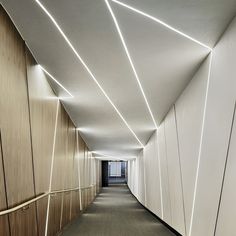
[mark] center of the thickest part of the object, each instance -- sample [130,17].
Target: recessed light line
[57,82]
[162,23]
[87,68]
[130,60]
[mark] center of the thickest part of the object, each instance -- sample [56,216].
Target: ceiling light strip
[100,156]
[162,23]
[56,81]
[88,70]
[130,60]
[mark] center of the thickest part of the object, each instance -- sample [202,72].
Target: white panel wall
[217,123]
[166,206]
[152,176]
[141,178]
[174,171]
[192,149]
[189,117]
[227,209]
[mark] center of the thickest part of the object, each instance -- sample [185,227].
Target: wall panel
[141,178]
[189,117]
[58,176]
[54,220]
[174,172]
[4,224]
[227,208]
[217,124]
[167,217]
[43,107]
[23,221]
[14,119]
[152,176]
[15,128]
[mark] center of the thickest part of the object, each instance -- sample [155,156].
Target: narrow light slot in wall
[130,60]
[200,148]
[162,23]
[71,96]
[51,168]
[88,70]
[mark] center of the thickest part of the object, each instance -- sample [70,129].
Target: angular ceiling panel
[204,20]
[164,60]
[100,125]
[91,30]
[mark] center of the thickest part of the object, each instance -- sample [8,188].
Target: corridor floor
[115,212]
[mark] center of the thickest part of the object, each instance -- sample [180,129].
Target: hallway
[116,212]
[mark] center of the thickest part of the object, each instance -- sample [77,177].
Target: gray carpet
[115,212]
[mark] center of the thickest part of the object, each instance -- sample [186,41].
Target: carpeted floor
[115,212]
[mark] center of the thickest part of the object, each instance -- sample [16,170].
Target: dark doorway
[104,173]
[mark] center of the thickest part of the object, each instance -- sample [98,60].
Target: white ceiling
[164,60]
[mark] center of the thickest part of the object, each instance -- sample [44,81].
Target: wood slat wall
[30,115]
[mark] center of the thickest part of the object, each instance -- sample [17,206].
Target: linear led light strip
[200,148]
[118,158]
[86,67]
[161,22]
[130,60]
[57,82]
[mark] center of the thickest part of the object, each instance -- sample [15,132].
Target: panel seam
[31,139]
[51,171]
[225,167]
[180,167]
[4,181]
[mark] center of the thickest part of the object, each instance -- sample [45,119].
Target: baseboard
[157,217]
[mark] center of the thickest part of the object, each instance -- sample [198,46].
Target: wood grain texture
[58,176]
[43,106]
[75,205]
[54,214]
[23,222]
[14,110]
[41,215]
[4,224]
[66,208]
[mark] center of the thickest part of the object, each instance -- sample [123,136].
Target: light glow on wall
[57,82]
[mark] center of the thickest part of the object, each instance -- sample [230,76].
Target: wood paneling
[15,128]
[66,208]
[4,225]
[75,206]
[23,222]
[54,214]
[41,215]
[14,119]
[58,176]
[43,107]
[27,122]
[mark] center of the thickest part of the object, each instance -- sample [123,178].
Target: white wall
[186,173]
